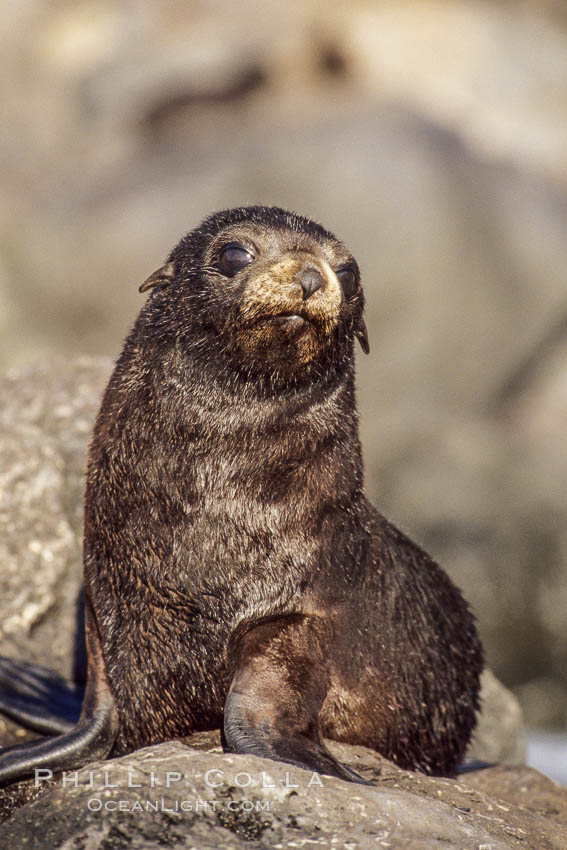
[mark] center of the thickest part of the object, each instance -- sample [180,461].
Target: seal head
[273,293]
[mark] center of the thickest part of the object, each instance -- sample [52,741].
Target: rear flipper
[91,739]
[280,682]
[94,733]
[38,698]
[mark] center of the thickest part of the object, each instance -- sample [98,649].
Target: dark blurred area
[432,138]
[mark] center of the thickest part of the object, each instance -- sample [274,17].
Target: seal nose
[310,281]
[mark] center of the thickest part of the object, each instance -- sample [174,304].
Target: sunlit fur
[225,497]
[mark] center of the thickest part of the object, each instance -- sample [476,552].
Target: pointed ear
[361,334]
[161,277]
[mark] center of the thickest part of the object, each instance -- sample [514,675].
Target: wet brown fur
[228,540]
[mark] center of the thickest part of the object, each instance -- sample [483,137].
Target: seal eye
[233,257]
[347,278]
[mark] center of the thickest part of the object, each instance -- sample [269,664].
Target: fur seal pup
[235,573]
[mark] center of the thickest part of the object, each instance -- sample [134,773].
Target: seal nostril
[310,281]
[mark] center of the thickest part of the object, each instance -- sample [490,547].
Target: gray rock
[500,733]
[46,416]
[224,801]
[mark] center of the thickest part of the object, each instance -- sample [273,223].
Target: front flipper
[37,698]
[281,677]
[92,737]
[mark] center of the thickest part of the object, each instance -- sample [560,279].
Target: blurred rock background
[432,138]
